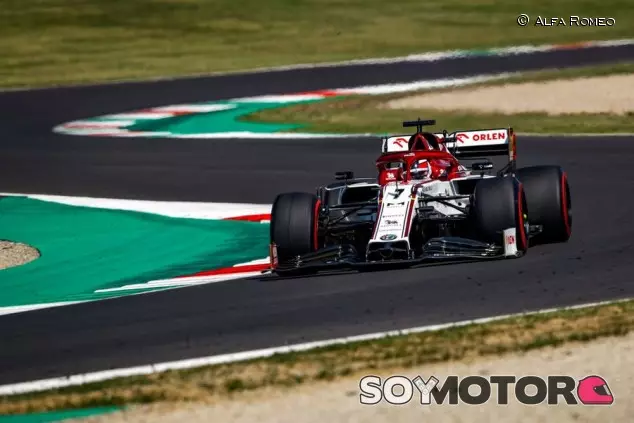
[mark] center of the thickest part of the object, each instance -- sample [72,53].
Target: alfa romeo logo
[388,237]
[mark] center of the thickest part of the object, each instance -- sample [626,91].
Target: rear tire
[294,220]
[548,198]
[499,204]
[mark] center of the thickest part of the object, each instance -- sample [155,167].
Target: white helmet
[421,169]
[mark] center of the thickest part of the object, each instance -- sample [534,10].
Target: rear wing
[395,143]
[481,143]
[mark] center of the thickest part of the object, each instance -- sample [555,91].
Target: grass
[350,114]
[517,334]
[49,42]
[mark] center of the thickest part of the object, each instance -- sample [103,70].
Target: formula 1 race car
[425,205]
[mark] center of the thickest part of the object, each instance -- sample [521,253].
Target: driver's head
[421,169]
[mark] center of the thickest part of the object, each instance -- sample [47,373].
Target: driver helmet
[421,169]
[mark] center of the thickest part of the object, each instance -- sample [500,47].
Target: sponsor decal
[488,136]
[273,255]
[400,142]
[390,176]
[482,136]
[479,390]
[397,192]
[395,144]
[388,237]
[510,239]
[395,204]
[391,222]
[462,137]
[393,216]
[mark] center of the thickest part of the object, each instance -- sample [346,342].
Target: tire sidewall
[295,224]
[548,198]
[498,204]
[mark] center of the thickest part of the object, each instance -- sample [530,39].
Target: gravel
[601,94]
[15,254]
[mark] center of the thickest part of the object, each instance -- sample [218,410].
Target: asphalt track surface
[262,312]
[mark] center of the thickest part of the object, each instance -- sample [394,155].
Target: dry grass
[213,383]
[350,114]
[62,41]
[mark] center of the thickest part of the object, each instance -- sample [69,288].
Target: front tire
[499,204]
[548,197]
[294,220]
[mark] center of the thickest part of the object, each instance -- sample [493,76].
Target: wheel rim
[566,205]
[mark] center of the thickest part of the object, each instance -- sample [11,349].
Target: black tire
[499,204]
[294,219]
[548,199]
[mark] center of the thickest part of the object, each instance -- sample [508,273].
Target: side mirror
[482,166]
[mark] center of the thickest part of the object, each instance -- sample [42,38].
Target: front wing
[436,250]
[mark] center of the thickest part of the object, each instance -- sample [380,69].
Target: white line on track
[427,84]
[31,307]
[178,209]
[100,376]
[180,282]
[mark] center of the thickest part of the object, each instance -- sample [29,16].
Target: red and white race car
[435,198]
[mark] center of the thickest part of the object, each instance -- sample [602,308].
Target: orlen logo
[400,142]
[462,137]
[510,240]
[390,176]
[486,136]
[489,136]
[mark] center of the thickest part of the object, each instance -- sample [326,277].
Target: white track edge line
[6,310]
[100,376]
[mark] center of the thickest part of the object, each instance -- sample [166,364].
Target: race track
[34,160]
[239,315]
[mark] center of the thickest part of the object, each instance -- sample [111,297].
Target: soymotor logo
[478,390]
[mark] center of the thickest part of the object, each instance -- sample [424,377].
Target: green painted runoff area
[218,121]
[86,249]
[56,416]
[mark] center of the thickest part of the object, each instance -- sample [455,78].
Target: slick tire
[499,204]
[548,199]
[294,220]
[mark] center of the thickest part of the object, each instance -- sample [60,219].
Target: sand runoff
[601,94]
[612,358]
[16,254]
